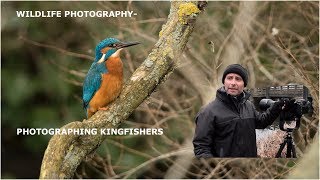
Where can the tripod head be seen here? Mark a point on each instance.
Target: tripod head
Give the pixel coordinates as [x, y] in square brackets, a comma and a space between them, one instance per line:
[289, 130]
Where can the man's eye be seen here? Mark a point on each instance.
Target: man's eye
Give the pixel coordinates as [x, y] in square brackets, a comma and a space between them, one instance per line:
[238, 79]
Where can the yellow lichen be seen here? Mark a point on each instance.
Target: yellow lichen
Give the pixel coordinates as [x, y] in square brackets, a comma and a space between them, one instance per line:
[160, 33]
[186, 10]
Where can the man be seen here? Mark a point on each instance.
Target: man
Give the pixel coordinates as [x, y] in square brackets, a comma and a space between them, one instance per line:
[226, 126]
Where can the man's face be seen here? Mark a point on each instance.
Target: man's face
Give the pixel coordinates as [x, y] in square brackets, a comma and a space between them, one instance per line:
[233, 84]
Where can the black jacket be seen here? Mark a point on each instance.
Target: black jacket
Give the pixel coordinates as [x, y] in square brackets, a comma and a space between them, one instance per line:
[226, 126]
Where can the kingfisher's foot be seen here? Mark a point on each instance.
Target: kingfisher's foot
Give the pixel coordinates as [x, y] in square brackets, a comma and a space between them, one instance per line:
[103, 108]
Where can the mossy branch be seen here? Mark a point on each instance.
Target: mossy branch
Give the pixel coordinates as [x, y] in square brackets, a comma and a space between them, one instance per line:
[65, 152]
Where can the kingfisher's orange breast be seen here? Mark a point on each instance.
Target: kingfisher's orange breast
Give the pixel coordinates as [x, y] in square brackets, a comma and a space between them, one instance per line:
[111, 85]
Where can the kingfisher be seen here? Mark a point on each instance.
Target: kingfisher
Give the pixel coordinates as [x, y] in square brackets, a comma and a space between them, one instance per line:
[103, 82]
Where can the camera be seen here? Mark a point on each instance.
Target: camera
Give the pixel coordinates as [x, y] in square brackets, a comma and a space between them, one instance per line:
[294, 100]
[292, 112]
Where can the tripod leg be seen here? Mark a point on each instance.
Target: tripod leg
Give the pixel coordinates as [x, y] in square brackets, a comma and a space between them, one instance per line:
[293, 151]
[278, 155]
[289, 149]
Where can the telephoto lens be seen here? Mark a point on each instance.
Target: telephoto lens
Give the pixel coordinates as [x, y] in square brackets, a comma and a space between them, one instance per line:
[264, 104]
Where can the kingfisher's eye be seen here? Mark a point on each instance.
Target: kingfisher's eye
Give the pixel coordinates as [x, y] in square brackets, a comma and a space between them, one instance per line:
[113, 45]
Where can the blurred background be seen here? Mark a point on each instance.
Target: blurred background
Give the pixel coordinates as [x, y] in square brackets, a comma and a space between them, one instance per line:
[44, 61]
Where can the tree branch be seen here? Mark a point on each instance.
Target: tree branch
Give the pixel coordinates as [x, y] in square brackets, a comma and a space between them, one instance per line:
[65, 152]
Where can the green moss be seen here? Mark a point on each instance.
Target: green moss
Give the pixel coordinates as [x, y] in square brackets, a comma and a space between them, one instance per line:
[186, 10]
[291, 164]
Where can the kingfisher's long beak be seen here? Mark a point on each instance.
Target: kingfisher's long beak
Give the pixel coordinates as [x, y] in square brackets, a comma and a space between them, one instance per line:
[126, 44]
[122, 45]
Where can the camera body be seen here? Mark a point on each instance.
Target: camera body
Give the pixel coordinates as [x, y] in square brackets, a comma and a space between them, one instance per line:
[292, 112]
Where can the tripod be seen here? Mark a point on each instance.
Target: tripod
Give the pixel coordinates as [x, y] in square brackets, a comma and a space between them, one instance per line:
[291, 152]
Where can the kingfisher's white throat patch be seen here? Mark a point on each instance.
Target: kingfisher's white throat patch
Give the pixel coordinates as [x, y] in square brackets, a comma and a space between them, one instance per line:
[117, 53]
[101, 60]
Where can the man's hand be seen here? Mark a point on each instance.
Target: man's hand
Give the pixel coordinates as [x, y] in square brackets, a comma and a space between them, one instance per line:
[291, 110]
[278, 105]
[288, 104]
